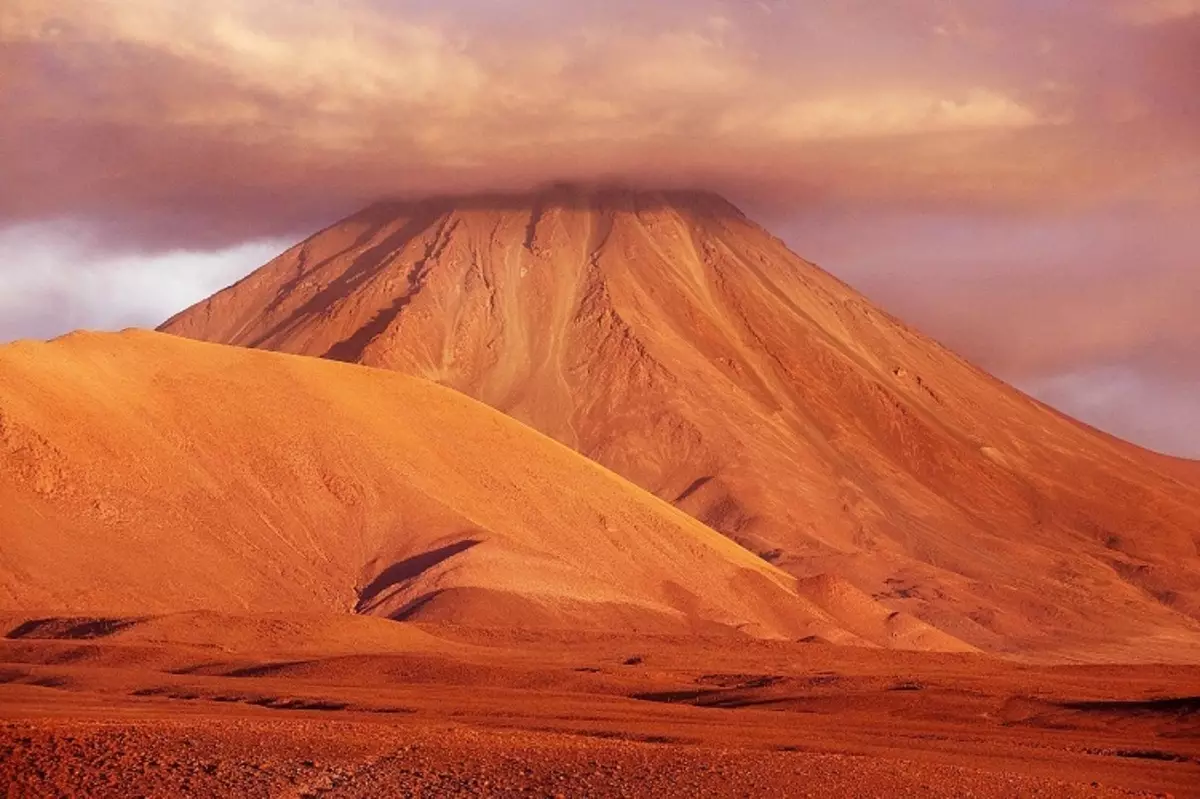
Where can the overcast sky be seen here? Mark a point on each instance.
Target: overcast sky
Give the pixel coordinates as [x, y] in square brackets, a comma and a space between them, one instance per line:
[1019, 178]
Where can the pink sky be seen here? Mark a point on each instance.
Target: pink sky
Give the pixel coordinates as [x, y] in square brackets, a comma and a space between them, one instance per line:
[1019, 178]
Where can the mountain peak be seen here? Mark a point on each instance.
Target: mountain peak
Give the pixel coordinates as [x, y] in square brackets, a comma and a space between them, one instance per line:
[563, 195]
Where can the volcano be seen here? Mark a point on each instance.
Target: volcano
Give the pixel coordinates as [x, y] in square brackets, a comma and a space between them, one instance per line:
[671, 339]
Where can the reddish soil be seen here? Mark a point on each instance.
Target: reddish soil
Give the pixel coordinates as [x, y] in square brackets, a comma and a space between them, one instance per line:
[463, 712]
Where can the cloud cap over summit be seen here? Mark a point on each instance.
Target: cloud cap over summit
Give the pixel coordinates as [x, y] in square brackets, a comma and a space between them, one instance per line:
[215, 122]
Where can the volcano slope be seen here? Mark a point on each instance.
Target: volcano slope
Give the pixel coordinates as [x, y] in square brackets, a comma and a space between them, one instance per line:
[143, 473]
[669, 338]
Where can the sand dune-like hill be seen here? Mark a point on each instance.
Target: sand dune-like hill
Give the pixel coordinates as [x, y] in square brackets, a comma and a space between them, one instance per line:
[669, 338]
[864, 617]
[146, 474]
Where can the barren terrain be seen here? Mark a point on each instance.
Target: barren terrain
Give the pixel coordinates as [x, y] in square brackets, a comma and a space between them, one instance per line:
[285, 706]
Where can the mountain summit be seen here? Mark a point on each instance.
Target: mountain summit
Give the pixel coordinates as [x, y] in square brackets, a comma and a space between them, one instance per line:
[671, 339]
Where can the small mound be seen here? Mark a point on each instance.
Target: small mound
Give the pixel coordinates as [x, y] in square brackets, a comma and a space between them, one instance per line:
[872, 621]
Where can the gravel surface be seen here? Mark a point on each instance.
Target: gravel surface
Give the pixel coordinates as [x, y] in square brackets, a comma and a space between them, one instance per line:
[63, 758]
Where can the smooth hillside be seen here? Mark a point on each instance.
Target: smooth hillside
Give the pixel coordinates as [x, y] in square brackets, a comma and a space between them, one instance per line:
[142, 473]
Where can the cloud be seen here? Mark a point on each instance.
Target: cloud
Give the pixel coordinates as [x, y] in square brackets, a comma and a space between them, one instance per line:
[1030, 297]
[895, 114]
[53, 284]
[229, 116]
[1153, 12]
[1153, 411]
